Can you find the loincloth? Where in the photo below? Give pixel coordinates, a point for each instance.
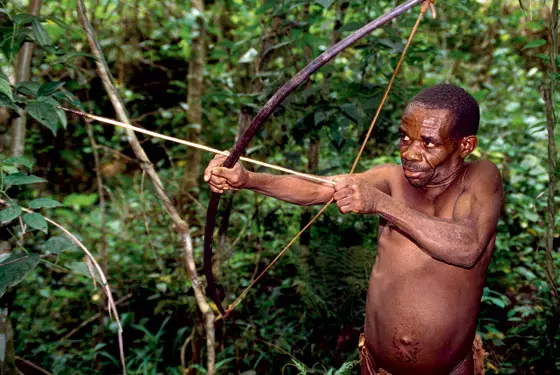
(370, 368)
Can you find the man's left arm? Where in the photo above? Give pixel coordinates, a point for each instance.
(458, 241)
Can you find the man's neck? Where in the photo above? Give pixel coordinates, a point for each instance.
(436, 189)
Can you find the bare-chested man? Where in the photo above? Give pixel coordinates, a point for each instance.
(436, 234)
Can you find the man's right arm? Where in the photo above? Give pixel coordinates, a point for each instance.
(292, 189)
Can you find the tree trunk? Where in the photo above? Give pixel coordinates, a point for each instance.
(23, 72)
(548, 90)
(7, 354)
(194, 94)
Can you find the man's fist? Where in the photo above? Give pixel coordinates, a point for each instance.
(352, 194)
(221, 179)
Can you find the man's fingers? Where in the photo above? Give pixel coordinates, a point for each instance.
(218, 185)
(346, 201)
(344, 209)
(226, 173)
(218, 180)
(343, 193)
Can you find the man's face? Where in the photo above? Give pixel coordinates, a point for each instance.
(428, 154)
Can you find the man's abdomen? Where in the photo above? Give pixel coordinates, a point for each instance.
(421, 313)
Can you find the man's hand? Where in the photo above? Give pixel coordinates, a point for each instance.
(352, 194)
(221, 179)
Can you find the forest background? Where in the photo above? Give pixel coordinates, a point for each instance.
(200, 70)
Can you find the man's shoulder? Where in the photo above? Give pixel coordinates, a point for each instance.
(486, 167)
(483, 172)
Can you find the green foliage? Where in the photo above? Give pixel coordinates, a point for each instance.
(305, 316)
(15, 267)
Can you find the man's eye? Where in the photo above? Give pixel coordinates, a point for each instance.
(429, 144)
(405, 137)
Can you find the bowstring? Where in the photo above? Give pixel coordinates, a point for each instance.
(428, 4)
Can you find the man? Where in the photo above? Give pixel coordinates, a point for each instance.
(436, 235)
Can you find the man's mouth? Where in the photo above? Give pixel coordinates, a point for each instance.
(414, 174)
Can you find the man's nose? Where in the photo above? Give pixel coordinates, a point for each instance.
(412, 153)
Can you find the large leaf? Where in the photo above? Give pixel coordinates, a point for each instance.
(58, 244)
(36, 221)
(49, 88)
(14, 269)
(22, 179)
(5, 101)
(43, 203)
(64, 95)
(43, 112)
(40, 34)
(10, 213)
(22, 19)
(20, 160)
(27, 88)
(6, 89)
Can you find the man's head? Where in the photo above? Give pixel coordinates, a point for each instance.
(438, 131)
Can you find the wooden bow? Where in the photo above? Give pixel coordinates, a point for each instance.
(265, 112)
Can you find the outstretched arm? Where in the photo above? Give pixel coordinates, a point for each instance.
(290, 189)
(458, 241)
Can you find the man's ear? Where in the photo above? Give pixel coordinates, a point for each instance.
(467, 145)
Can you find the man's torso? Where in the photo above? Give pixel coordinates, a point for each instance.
(421, 313)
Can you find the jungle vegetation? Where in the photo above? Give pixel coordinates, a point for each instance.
(200, 70)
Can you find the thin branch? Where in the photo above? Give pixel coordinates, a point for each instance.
(201, 300)
(181, 226)
(31, 364)
(105, 283)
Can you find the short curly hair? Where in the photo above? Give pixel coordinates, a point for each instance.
(464, 109)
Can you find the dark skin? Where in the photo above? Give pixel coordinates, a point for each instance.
(436, 237)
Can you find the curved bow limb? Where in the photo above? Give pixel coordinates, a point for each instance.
(265, 112)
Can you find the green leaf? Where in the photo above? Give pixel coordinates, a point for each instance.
(6, 89)
(44, 203)
(325, 3)
(40, 34)
(59, 22)
(20, 160)
(64, 95)
(15, 268)
(22, 179)
(44, 112)
(50, 100)
(10, 169)
(27, 88)
(62, 117)
(22, 19)
(5, 101)
(58, 244)
(10, 213)
(36, 221)
(3, 76)
(534, 44)
(49, 88)
(82, 268)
